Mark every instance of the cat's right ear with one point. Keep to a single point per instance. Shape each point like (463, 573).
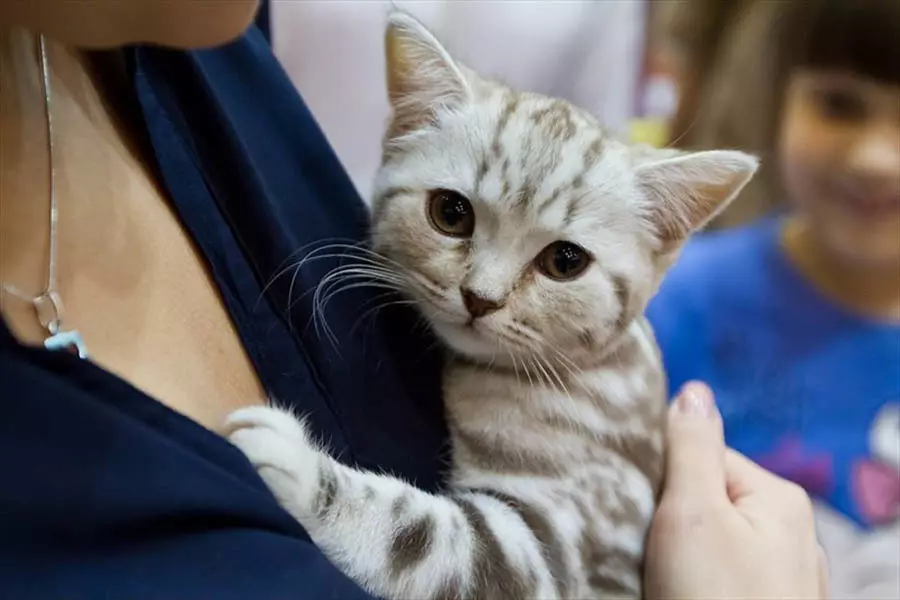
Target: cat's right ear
(422, 77)
(686, 190)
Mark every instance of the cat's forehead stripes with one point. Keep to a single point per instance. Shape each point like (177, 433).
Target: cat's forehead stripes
(556, 120)
(495, 156)
(540, 155)
(509, 107)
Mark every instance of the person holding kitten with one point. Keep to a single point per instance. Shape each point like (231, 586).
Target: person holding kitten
(794, 320)
(148, 193)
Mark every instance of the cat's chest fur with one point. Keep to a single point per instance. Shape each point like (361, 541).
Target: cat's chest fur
(582, 448)
(554, 422)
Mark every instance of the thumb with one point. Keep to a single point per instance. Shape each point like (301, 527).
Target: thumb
(696, 447)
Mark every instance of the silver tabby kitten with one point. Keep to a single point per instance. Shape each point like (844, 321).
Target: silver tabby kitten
(532, 242)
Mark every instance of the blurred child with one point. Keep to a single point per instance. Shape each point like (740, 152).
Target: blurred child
(795, 320)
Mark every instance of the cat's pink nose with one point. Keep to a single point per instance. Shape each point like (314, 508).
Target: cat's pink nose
(476, 305)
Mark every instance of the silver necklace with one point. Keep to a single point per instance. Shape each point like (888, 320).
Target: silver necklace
(48, 305)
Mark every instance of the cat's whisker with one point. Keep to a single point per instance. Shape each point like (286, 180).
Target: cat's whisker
(378, 307)
(435, 306)
(539, 370)
(297, 267)
(525, 367)
(535, 343)
(434, 344)
(374, 271)
(290, 294)
(490, 364)
(373, 266)
(361, 255)
(326, 245)
(392, 269)
(321, 303)
(336, 278)
(569, 365)
(375, 258)
(293, 302)
(360, 260)
(566, 362)
(376, 299)
(380, 257)
(335, 290)
(434, 293)
(283, 267)
(324, 291)
(540, 362)
(425, 283)
(536, 359)
(562, 384)
(573, 374)
(339, 280)
(513, 358)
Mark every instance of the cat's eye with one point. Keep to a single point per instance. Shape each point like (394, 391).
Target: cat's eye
(451, 213)
(563, 261)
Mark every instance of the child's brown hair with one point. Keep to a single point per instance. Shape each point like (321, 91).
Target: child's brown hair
(750, 54)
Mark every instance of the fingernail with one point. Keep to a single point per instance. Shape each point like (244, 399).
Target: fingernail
(696, 400)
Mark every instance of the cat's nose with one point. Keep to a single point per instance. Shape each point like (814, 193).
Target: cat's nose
(476, 305)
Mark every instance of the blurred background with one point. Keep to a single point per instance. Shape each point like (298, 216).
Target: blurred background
(689, 73)
(591, 53)
(645, 68)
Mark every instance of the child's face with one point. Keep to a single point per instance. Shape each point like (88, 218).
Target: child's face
(840, 158)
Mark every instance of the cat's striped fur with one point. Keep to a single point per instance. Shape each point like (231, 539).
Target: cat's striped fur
(555, 401)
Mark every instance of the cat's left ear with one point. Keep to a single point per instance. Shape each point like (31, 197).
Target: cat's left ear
(686, 191)
(422, 77)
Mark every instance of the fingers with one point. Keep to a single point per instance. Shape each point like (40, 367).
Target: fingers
(696, 447)
(744, 477)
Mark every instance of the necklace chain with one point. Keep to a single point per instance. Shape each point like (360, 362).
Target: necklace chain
(48, 299)
(48, 305)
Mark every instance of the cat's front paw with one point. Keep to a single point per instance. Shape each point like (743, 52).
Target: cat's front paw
(279, 446)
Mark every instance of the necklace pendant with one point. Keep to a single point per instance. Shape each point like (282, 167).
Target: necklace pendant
(68, 340)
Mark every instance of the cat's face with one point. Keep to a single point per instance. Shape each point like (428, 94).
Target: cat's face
(527, 207)
(516, 222)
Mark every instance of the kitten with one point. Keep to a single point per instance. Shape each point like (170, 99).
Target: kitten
(532, 241)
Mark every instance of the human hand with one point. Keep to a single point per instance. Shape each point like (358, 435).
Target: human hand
(726, 528)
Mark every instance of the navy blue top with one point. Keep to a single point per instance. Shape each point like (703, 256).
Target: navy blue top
(106, 493)
(805, 388)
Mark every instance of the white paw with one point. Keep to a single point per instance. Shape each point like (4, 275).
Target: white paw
(279, 446)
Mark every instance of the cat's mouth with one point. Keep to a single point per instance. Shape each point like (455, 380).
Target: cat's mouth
(474, 337)
(472, 327)
(468, 337)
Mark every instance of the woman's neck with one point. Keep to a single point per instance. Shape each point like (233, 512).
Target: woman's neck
(871, 292)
